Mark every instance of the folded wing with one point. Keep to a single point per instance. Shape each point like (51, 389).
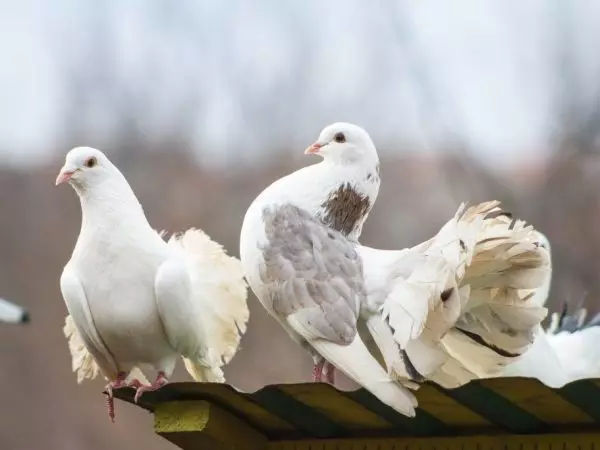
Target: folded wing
(313, 282)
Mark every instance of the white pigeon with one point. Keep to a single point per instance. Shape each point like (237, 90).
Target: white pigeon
(137, 301)
(297, 248)
(450, 309)
(11, 313)
(459, 306)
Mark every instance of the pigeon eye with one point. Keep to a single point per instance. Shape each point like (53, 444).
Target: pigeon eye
(91, 162)
(340, 138)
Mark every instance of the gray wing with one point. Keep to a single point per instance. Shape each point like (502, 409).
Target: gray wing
(312, 272)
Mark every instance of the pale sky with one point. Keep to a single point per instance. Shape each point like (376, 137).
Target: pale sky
(243, 79)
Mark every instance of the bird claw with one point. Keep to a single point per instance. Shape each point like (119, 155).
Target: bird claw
(161, 380)
(135, 384)
(318, 371)
(324, 368)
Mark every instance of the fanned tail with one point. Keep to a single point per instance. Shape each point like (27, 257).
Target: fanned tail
(425, 299)
(499, 321)
(463, 304)
(82, 362)
(218, 282)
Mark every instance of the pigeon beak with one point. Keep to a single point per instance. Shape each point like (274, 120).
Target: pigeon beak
(313, 149)
(64, 176)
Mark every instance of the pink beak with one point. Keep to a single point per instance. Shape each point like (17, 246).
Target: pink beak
(63, 176)
(313, 149)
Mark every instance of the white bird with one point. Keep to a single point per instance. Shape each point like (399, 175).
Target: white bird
(137, 301)
(353, 305)
(11, 313)
(297, 248)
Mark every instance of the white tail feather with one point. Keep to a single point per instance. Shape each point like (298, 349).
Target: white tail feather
(82, 362)
(499, 321)
(218, 281)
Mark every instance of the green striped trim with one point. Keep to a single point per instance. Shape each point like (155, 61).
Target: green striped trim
(495, 408)
(423, 424)
(585, 395)
(297, 413)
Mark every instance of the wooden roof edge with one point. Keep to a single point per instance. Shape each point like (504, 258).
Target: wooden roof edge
(199, 425)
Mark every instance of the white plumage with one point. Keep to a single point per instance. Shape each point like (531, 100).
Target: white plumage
(136, 301)
(566, 351)
(460, 305)
(577, 348)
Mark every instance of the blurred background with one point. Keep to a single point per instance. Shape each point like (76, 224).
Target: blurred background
(204, 103)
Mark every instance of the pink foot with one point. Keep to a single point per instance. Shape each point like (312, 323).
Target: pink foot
(330, 373)
(135, 383)
(119, 382)
(318, 371)
(160, 381)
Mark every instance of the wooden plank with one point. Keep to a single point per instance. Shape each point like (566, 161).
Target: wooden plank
(539, 400)
(448, 410)
(588, 441)
(224, 395)
(200, 425)
(495, 408)
(423, 424)
(244, 406)
(332, 403)
(585, 394)
(311, 422)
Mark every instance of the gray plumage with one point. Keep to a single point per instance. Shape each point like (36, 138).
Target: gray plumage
(312, 272)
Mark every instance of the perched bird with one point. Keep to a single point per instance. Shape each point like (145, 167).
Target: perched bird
(451, 309)
(11, 313)
(136, 301)
(297, 246)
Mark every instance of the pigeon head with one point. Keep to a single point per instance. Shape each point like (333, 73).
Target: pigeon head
(85, 167)
(344, 143)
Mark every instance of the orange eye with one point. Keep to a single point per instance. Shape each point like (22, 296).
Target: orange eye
(91, 162)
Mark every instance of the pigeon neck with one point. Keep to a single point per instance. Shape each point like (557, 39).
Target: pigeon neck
(112, 202)
(353, 189)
